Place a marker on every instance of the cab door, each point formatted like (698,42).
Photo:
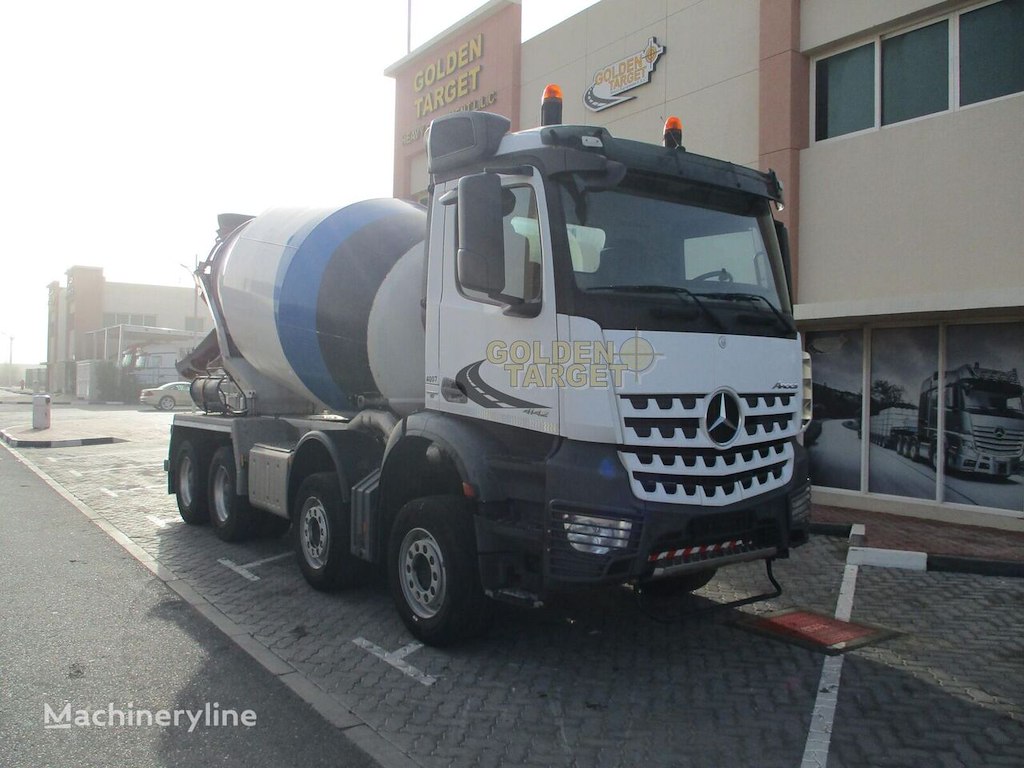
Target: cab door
(495,353)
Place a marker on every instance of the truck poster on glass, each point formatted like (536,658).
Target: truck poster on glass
(900,359)
(984,415)
(979,393)
(833,439)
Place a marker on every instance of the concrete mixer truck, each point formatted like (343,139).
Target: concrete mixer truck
(576,366)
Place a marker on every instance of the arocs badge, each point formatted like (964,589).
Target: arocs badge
(621,76)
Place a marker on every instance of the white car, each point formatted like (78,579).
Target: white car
(167,396)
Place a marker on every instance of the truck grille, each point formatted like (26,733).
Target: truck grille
(999,441)
(671,458)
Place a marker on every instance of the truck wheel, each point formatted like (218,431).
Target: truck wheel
(322,535)
(674,586)
(166,403)
(190,484)
(230,514)
(433,572)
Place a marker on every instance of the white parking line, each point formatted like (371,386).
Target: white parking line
(240,570)
(161,522)
(819,737)
(120,469)
(243,570)
(109,492)
(270,559)
(397,659)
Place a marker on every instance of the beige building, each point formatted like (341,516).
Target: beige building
(91,318)
(896,130)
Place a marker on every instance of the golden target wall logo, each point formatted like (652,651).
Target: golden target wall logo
(614,79)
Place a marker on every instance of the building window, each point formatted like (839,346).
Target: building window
(991,51)
(980,48)
(915,73)
(845,92)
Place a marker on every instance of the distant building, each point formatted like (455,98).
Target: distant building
(91,318)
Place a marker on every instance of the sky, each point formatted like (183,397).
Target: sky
(128,126)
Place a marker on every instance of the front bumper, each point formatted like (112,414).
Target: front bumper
(982,464)
(595,531)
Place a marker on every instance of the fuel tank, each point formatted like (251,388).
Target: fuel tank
(327,302)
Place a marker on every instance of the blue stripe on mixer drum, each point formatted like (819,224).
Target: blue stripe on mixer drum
(297,300)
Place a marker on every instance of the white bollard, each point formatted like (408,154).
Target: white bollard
(40,412)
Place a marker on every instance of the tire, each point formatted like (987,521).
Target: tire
(230,514)
(166,403)
(433,573)
(675,586)
(322,535)
(190,484)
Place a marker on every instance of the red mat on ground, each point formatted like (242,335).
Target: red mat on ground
(814,631)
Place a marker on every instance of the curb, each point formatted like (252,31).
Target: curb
(831,529)
(915,561)
(29,402)
(976,565)
(17,442)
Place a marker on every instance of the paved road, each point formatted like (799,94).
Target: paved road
(599,680)
(85,625)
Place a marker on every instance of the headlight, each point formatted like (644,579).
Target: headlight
(597,535)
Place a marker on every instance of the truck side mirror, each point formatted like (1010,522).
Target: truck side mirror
(787,263)
(481,255)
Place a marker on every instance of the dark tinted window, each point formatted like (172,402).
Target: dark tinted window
(915,73)
(845,92)
(992,51)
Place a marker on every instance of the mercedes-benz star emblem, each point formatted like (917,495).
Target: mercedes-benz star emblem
(724,418)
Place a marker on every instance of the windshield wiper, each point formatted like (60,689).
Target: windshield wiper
(783,319)
(671,289)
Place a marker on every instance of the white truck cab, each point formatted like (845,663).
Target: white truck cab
(612,383)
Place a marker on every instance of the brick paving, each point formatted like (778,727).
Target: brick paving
(592,679)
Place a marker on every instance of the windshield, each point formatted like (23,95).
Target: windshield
(709,246)
(989,401)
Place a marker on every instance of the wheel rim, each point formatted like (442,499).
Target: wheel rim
(314,533)
(167,403)
(185,480)
(221,492)
(422,573)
